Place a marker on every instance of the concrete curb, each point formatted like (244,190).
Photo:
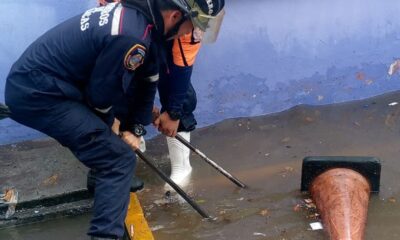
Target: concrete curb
(63,205)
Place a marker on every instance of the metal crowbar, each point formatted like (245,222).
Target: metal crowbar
(211,162)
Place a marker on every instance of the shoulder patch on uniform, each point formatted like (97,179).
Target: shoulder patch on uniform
(135,57)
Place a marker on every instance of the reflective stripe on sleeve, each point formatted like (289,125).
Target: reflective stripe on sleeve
(104,110)
(116,20)
(153,78)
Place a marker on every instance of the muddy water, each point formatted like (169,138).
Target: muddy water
(73,228)
(266,153)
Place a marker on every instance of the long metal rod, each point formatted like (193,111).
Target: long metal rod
(173,185)
(211,162)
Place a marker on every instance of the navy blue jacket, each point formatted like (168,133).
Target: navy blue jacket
(175,74)
(98,58)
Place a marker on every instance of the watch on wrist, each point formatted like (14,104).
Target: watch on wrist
(139,130)
(174,115)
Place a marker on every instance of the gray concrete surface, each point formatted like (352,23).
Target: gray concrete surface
(50,181)
(39,169)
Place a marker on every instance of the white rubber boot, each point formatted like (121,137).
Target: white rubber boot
(180,163)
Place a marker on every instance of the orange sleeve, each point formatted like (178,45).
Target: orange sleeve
(184,51)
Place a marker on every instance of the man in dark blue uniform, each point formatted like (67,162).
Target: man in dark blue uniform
(68,81)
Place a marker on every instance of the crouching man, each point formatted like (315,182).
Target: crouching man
(67,82)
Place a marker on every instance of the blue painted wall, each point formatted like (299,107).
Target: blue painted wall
(271,54)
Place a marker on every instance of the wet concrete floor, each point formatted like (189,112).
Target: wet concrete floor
(266,153)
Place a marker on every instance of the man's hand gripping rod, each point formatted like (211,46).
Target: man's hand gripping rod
(211,162)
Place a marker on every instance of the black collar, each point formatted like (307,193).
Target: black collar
(152,13)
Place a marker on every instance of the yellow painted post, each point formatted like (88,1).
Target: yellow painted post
(135,222)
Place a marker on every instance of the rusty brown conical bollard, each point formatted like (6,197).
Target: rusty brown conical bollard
(341,196)
(342,193)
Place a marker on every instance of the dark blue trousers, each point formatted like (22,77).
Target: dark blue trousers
(38,101)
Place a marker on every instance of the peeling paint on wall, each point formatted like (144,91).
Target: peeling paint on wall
(394,67)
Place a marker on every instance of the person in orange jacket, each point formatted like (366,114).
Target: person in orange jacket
(178,101)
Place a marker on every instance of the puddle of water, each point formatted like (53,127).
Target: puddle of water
(266,153)
(61,229)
